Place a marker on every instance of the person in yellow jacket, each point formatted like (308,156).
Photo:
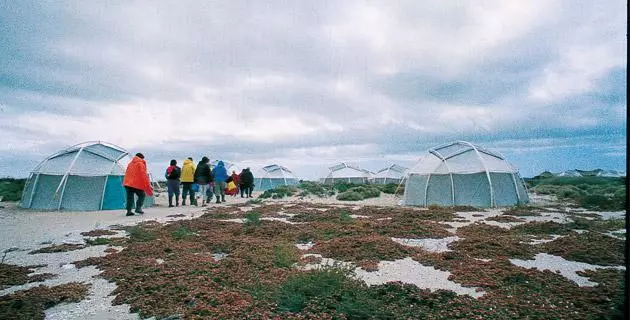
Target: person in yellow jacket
(187,178)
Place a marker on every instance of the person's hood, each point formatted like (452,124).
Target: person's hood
(220,164)
(187,162)
(137,159)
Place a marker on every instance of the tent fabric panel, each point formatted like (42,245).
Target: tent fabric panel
(348,172)
(439,191)
(28,190)
(83,193)
(105,151)
(467,162)
(57,165)
(89,164)
(451,149)
(505,193)
(520,187)
(472,190)
(115,195)
(415,190)
(270,183)
(495,164)
(387,180)
(44,196)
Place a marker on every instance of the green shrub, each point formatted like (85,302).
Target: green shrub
(279,192)
(182,232)
(314,188)
(349,196)
(367,191)
(298,290)
(285,255)
(252,218)
(98,241)
(11,189)
(140,234)
(344,186)
(391,188)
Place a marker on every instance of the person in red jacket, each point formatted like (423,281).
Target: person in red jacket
(236,178)
(137,182)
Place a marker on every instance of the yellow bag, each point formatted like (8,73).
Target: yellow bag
(231,185)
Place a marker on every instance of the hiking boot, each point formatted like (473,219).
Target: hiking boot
(140,211)
(170,205)
(129,213)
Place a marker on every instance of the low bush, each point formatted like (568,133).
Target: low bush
(279,192)
(11,189)
(285,255)
(392,188)
(252,218)
(98,241)
(314,188)
(349,196)
(140,234)
(182,233)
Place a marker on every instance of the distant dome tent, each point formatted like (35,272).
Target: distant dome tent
(273,176)
(83,177)
(347,173)
(391,174)
(463,174)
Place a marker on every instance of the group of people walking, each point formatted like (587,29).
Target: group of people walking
(208,182)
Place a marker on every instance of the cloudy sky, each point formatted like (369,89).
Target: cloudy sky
(307,84)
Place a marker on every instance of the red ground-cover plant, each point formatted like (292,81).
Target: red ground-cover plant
(98,233)
(589,247)
(31,303)
(170,274)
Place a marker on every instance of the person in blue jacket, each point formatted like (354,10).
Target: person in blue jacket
(220,177)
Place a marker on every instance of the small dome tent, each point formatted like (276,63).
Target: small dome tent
(391,174)
(83,177)
(273,176)
(460,173)
(347,173)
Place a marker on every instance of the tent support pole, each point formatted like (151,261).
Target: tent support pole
(30,200)
(518,196)
(492,202)
(65,179)
(452,188)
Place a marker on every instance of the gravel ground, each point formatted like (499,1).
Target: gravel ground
(566,268)
(30,230)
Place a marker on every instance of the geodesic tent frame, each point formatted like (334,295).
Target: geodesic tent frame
(460,173)
(347,173)
(391,174)
(273,176)
(87,177)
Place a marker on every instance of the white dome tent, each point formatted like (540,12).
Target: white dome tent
(273,176)
(347,173)
(460,173)
(391,174)
(84,177)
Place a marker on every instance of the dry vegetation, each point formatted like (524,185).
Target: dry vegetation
(170,269)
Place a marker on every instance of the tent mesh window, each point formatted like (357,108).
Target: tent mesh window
(460,173)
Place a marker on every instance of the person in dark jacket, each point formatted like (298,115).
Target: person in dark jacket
(246,182)
(203,177)
(173,173)
(220,178)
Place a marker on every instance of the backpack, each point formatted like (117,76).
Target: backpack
(175,174)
